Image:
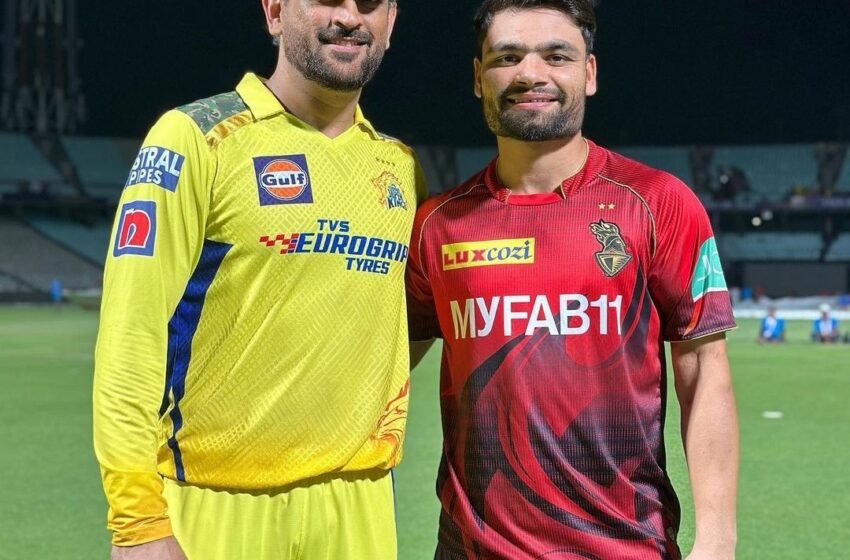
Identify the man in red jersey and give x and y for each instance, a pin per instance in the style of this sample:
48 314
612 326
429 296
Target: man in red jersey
554 276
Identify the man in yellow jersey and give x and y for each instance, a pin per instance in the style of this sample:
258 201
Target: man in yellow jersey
251 371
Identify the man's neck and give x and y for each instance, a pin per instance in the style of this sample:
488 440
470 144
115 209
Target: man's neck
328 111
539 167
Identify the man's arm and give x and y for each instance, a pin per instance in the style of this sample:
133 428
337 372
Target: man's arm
710 436
156 242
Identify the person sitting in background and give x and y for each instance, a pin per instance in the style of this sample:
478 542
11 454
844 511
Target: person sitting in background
772 328
825 328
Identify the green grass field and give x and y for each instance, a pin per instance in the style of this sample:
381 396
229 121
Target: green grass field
794 497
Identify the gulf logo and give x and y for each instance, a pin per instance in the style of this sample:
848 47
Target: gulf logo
283 180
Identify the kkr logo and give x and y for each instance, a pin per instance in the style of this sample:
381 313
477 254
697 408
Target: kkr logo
488 253
136 232
613 256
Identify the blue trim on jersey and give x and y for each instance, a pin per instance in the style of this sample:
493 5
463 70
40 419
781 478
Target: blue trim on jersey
181 331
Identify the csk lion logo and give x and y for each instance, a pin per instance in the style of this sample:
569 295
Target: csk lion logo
613 256
390 194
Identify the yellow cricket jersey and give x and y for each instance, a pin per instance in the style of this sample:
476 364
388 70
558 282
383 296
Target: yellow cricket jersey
253 329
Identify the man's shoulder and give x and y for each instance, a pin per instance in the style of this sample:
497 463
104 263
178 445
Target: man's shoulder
211 112
396 146
206 121
639 176
657 188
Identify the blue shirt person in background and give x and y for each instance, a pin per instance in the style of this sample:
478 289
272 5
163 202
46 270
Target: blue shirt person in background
825 328
772 328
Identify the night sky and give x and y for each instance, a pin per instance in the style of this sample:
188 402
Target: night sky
671 71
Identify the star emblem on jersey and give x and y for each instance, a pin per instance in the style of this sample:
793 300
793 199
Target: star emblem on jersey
389 191
613 256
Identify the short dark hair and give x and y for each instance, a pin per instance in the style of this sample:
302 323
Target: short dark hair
581 12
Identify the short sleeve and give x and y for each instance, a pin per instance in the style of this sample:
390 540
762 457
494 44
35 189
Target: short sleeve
686 279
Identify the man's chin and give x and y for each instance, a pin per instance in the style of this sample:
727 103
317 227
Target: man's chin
527 132
338 81
344 57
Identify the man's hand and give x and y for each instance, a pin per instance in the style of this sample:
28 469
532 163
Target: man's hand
162 549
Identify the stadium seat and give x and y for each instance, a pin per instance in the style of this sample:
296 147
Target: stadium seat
28 255
772 171
90 242
102 164
840 249
767 246
842 184
472 160
22 162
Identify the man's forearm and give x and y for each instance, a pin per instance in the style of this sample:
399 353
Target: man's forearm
710 433
710 436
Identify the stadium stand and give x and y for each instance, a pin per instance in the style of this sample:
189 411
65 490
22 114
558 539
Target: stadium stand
15 290
842 184
102 164
673 160
90 242
768 246
471 160
22 162
772 171
26 172
439 166
38 261
839 250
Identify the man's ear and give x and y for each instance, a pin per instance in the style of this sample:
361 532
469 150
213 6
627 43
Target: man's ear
391 16
273 10
590 86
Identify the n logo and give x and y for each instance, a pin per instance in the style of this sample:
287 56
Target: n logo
136 231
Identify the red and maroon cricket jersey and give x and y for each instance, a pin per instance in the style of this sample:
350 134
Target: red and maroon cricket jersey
553 309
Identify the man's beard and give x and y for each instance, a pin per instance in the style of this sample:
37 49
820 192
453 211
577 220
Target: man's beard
300 53
534 126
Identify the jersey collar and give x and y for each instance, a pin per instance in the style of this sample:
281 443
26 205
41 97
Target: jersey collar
263 104
568 187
